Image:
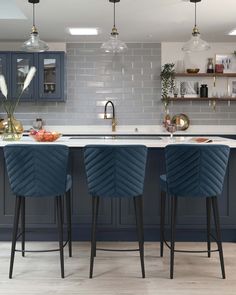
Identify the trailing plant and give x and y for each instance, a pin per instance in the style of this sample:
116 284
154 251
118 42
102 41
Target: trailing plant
167 82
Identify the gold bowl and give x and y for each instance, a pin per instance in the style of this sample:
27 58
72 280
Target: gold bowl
192 71
181 120
45 136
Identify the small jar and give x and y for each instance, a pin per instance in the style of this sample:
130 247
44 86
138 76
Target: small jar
204 90
38 123
210 66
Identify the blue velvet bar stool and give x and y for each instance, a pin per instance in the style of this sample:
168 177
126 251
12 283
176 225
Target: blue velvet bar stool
39 170
197 171
116 171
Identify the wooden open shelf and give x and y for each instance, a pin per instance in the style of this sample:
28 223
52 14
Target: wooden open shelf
202 98
206 75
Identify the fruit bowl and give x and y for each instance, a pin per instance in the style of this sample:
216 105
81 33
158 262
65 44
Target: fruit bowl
192 71
44 136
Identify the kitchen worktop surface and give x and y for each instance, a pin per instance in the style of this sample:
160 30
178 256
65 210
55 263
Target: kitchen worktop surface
141 129
152 141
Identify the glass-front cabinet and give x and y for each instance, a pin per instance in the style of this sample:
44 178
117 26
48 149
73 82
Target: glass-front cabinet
48 83
21 63
50 76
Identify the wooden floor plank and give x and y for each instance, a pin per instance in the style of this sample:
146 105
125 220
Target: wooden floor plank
117 273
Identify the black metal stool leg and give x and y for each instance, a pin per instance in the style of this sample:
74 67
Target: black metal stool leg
162 222
23 225
139 217
60 233
208 214
218 233
93 234
14 233
97 208
68 216
173 227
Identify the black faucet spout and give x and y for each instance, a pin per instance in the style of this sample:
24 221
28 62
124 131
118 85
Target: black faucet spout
114 123
113 109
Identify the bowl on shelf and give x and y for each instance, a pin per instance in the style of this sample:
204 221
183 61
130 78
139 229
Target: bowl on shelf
192 71
45 136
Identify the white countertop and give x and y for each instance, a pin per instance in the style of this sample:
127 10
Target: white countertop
158 143
142 129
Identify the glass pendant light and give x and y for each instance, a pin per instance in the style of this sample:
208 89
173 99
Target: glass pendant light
114 45
195 43
34 44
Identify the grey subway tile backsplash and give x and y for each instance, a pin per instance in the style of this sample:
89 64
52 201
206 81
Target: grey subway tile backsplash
131 80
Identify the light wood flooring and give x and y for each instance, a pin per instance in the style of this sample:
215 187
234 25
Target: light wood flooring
117 273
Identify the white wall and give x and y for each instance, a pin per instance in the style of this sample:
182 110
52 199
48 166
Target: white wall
16 46
171 52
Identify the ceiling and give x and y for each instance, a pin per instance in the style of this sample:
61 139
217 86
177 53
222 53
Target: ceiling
137 20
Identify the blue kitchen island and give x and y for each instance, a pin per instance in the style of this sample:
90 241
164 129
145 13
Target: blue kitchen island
116 219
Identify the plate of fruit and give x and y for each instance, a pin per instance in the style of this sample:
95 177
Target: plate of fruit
45 136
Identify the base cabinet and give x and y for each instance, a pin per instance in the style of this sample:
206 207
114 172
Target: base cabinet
116 219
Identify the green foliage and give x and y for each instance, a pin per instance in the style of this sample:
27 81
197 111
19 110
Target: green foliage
167 82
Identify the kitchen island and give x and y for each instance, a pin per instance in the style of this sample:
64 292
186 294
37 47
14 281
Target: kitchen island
116 217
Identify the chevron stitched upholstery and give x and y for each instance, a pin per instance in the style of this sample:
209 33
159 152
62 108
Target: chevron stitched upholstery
195 170
115 171
37 170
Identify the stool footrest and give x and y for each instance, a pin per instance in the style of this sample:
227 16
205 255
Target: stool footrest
117 250
39 251
191 251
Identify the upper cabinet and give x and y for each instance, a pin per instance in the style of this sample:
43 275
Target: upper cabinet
20 65
48 83
51 76
4 70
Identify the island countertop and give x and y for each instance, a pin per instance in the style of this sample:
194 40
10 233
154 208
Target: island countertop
193 130
152 141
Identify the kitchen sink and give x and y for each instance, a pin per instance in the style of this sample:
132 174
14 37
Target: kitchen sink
118 136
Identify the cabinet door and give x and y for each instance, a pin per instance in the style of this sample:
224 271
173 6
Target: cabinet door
51 76
4 60
21 63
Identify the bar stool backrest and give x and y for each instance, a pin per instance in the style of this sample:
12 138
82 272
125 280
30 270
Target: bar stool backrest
115 170
37 170
196 170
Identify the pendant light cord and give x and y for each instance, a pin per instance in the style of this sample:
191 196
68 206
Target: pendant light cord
33 15
195 15
114 14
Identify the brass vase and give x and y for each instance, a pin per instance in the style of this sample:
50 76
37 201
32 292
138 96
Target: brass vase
12 128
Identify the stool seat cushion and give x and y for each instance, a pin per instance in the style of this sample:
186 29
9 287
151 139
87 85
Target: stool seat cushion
195 170
37 170
115 170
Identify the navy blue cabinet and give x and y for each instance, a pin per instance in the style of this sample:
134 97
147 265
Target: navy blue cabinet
20 65
4 69
48 83
51 76
116 218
